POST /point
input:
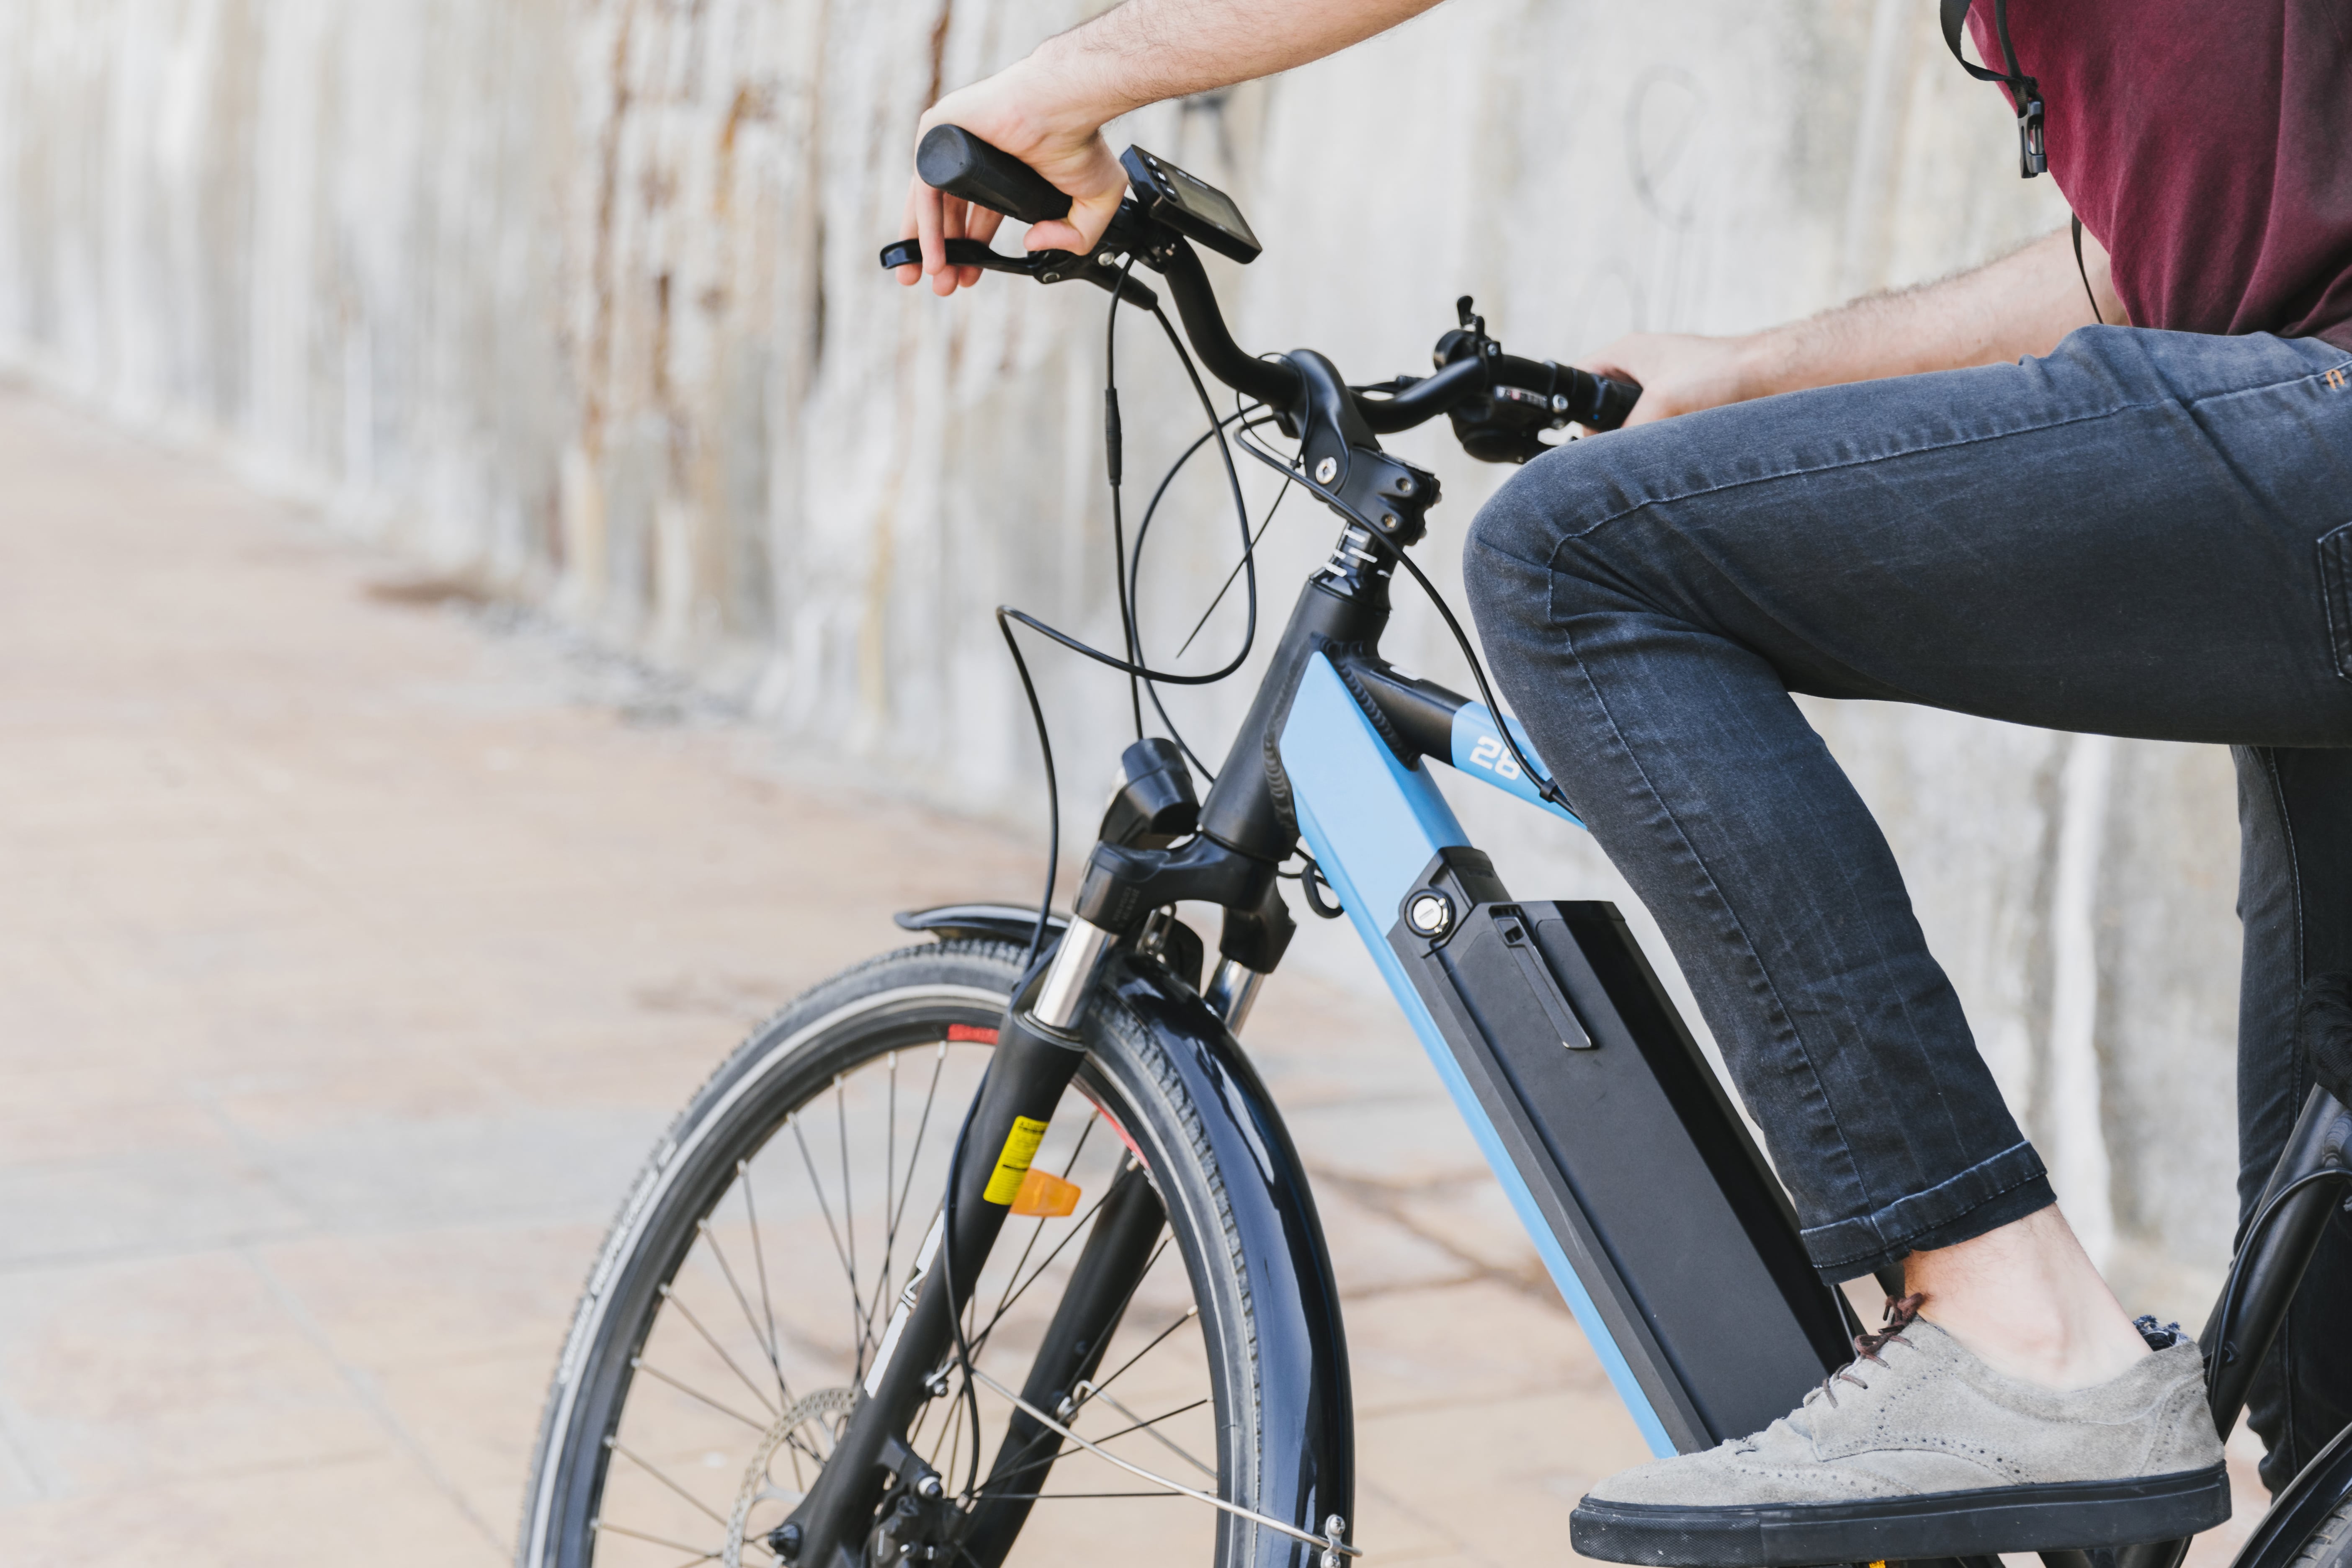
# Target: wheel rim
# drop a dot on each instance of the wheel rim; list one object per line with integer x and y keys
{"x": 772, "y": 1312}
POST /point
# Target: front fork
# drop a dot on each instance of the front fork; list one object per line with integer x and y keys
{"x": 1038, "y": 1051}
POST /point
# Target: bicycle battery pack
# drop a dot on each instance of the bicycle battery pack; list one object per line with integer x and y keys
{"x": 1666, "y": 1211}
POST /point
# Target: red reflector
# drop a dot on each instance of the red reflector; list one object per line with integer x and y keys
{"x": 986, "y": 1036}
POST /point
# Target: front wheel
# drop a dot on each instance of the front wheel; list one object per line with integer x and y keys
{"x": 740, "y": 1297}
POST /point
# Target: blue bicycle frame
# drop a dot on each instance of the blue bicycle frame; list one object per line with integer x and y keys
{"x": 1665, "y": 1233}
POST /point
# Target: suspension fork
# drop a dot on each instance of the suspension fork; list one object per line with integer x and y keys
{"x": 1119, "y": 1250}
{"x": 1038, "y": 1051}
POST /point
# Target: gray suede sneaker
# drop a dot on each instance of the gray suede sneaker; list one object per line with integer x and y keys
{"x": 1918, "y": 1449}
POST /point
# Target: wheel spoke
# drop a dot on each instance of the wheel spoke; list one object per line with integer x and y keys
{"x": 687, "y": 1312}
{"x": 656, "y": 1471}
{"x": 857, "y": 1310}
{"x": 760, "y": 1262}
{"x": 768, "y": 1346}
{"x": 1068, "y": 1166}
{"x": 606, "y": 1527}
{"x": 1222, "y": 1504}
{"x": 922, "y": 1125}
{"x": 641, "y": 1364}
{"x": 1077, "y": 1231}
{"x": 1150, "y": 1428}
{"x": 839, "y": 1251}
{"x": 1191, "y": 1312}
{"x": 889, "y": 1190}
{"x": 1141, "y": 1425}
{"x": 674, "y": 1423}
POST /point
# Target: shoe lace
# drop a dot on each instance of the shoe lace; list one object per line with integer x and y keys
{"x": 1900, "y": 1313}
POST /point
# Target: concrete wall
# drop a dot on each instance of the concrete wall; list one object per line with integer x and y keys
{"x": 577, "y": 300}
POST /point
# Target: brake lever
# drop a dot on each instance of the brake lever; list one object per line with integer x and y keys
{"x": 1102, "y": 270}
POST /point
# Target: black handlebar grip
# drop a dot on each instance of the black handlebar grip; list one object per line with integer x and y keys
{"x": 953, "y": 160}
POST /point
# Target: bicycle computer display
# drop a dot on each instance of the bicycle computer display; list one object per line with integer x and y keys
{"x": 1192, "y": 208}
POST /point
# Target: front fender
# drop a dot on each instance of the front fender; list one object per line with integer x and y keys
{"x": 1308, "y": 1463}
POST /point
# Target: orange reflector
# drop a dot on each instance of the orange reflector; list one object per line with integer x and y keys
{"x": 1045, "y": 1195}
{"x": 986, "y": 1036}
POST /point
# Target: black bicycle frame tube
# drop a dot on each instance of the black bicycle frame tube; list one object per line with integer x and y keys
{"x": 1343, "y": 610}
{"x": 1119, "y": 1250}
{"x": 1248, "y": 807}
{"x": 1026, "y": 1075}
{"x": 2273, "y": 1270}
{"x": 2239, "y": 1334}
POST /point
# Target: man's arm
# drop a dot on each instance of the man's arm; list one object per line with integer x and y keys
{"x": 2022, "y": 304}
{"x": 1048, "y": 110}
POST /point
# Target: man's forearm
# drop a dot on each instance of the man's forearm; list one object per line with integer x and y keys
{"x": 1048, "y": 109}
{"x": 1147, "y": 50}
{"x": 2022, "y": 304}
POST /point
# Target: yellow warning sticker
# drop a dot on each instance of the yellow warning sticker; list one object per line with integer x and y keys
{"x": 1020, "y": 1148}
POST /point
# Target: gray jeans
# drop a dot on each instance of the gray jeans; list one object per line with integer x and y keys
{"x": 2145, "y": 534}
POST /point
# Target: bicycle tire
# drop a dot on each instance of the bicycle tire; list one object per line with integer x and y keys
{"x": 899, "y": 1001}
{"x": 2330, "y": 1544}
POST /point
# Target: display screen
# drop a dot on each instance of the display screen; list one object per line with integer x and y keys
{"x": 1206, "y": 202}
{"x": 1198, "y": 211}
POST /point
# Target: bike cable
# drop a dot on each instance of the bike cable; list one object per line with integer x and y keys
{"x": 1135, "y": 568}
{"x": 1053, "y": 789}
{"x": 1241, "y": 511}
{"x": 1140, "y": 675}
{"x": 1540, "y": 778}
{"x": 1310, "y": 877}
{"x": 946, "y": 1283}
{"x": 1133, "y": 667}
{"x": 1115, "y": 463}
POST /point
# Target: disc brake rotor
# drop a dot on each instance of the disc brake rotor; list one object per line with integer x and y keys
{"x": 759, "y": 1485}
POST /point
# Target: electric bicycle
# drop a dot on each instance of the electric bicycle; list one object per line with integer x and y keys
{"x": 995, "y": 1249}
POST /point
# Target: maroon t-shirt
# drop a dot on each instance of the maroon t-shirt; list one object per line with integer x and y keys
{"x": 2207, "y": 146}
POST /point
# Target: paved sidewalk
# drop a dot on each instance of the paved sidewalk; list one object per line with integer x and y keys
{"x": 352, "y": 955}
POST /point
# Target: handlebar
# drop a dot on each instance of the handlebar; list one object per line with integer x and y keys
{"x": 953, "y": 160}
{"x": 1518, "y": 395}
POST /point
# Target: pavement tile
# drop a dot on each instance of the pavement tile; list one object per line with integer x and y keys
{"x": 123, "y": 1376}
{"x": 471, "y": 1423}
{"x": 1497, "y": 1477}
{"x": 84, "y": 1112}
{"x": 1373, "y": 1255}
{"x": 374, "y": 1512}
{"x": 135, "y": 1201}
{"x": 1463, "y": 1343}
{"x": 388, "y": 1301}
{"x": 1401, "y": 1143}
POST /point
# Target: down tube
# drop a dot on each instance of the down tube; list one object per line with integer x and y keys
{"x": 1374, "y": 825}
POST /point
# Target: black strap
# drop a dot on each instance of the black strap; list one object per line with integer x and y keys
{"x": 2085, "y": 273}
{"x": 2032, "y": 160}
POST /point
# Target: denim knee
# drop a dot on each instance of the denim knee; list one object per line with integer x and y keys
{"x": 1516, "y": 537}
{"x": 1515, "y": 546}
